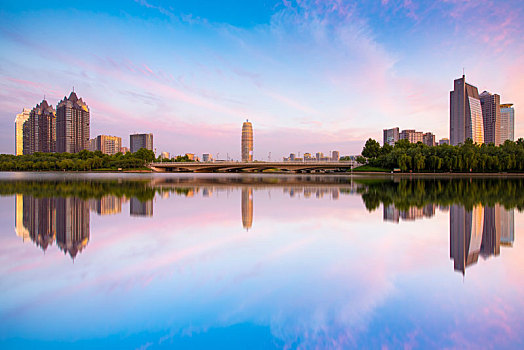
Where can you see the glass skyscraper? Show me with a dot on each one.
(466, 121)
(507, 122)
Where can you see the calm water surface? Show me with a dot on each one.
(251, 261)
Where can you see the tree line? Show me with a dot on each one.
(467, 157)
(81, 161)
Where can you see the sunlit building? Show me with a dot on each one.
(108, 144)
(412, 136)
(39, 130)
(72, 125)
(444, 141)
(490, 104)
(247, 208)
(247, 142)
(207, 157)
(335, 156)
(20, 229)
(466, 121)
(138, 141)
(20, 119)
(507, 122)
(165, 155)
(391, 136)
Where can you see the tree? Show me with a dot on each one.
(371, 149)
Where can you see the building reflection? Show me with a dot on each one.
(247, 208)
(478, 232)
(48, 220)
(107, 205)
(391, 213)
(138, 207)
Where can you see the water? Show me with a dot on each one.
(251, 261)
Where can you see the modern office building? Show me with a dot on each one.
(507, 122)
(319, 155)
(19, 130)
(444, 141)
(207, 157)
(165, 155)
(124, 150)
(490, 104)
(391, 136)
(138, 141)
(412, 136)
(428, 139)
(72, 125)
(39, 133)
(307, 156)
(108, 144)
(466, 121)
(247, 142)
(335, 156)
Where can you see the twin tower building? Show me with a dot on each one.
(42, 129)
(481, 118)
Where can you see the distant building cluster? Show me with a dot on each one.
(67, 129)
(318, 157)
(391, 136)
(481, 118)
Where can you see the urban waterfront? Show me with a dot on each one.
(260, 261)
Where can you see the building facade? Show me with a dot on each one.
(444, 141)
(20, 119)
(335, 156)
(138, 141)
(39, 133)
(507, 122)
(412, 136)
(247, 142)
(466, 121)
(108, 144)
(391, 136)
(72, 125)
(428, 139)
(490, 104)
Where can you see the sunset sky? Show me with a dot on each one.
(311, 75)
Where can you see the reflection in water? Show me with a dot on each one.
(413, 213)
(107, 205)
(44, 220)
(479, 231)
(247, 208)
(139, 207)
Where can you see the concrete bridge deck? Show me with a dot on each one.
(208, 167)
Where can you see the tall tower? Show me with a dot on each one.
(72, 125)
(138, 141)
(39, 131)
(507, 122)
(465, 113)
(491, 117)
(247, 141)
(19, 130)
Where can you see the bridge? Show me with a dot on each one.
(210, 167)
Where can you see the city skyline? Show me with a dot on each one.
(306, 73)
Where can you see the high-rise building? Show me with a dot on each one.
(507, 122)
(465, 113)
(391, 136)
(72, 125)
(247, 142)
(138, 141)
(207, 157)
(444, 141)
(428, 139)
(39, 130)
(490, 104)
(108, 144)
(165, 155)
(412, 136)
(335, 156)
(19, 130)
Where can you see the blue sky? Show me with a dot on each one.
(311, 75)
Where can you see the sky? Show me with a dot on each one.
(311, 75)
